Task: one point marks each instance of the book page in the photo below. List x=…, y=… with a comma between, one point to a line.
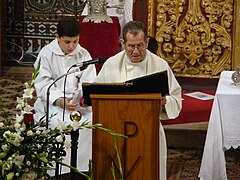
x=200, y=95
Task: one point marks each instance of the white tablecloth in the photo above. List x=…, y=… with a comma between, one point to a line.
x=223, y=129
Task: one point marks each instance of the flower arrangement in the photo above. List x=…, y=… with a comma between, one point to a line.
x=24, y=151
x=28, y=153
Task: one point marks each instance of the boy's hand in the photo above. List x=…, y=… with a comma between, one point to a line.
x=69, y=106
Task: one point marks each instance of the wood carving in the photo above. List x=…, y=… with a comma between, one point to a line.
x=195, y=37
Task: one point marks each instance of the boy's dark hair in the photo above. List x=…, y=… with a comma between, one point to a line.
x=152, y=45
x=134, y=27
x=68, y=27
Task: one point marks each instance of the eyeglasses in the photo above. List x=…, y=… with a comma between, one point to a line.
x=131, y=47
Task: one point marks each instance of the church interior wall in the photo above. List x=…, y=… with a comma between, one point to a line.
x=28, y=25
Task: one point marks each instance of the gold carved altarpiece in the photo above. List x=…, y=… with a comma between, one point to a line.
x=198, y=38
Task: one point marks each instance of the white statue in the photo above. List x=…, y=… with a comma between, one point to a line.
x=117, y=4
x=120, y=8
x=97, y=12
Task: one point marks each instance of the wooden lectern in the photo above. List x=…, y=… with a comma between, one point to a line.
x=136, y=116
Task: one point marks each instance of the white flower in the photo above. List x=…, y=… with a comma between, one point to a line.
x=20, y=103
x=21, y=128
x=67, y=144
x=26, y=84
x=1, y=124
x=19, y=118
x=28, y=163
x=7, y=166
x=29, y=133
x=28, y=109
x=10, y=158
x=18, y=160
x=33, y=81
x=17, y=140
x=6, y=133
x=75, y=125
x=13, y=138
x=46, y=131
x=28, y=93
x=39, y=146
x=62, y=125
x=17, y=125
x=5, y=147
x=29, y=176
x=59, y=138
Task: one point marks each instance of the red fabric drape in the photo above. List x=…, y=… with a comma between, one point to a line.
x=100, y=39
x=193, y=110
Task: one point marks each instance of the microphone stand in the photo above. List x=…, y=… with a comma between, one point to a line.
x=74, y=134
x=48, y=94
x=48, y=91
x=47, y=113
x=64, y=86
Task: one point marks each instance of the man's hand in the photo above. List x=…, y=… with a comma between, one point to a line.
x=164, y=100
x=69, y=106
x=81, y=102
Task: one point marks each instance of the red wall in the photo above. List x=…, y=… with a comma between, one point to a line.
x=140, y=11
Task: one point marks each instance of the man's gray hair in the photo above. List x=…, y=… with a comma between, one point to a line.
x=134, y=27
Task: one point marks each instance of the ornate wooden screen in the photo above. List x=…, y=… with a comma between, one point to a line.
x=31, y=24
x=198, y=38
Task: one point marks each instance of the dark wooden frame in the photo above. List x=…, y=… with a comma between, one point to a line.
x=1, y=36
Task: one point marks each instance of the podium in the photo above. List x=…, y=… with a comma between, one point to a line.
x=136, y=116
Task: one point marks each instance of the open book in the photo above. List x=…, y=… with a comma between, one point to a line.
x=152, y=83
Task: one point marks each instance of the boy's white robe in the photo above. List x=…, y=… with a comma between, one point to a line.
x=55, y=63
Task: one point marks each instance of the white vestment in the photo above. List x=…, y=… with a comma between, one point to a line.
x=119, y=69
x=55, y=63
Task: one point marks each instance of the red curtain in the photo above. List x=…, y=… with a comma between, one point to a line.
x=100, y=39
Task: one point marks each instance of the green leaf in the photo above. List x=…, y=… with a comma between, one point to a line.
x=3, y=168
x=113, y=171
x=2, y=155
x=43, y=158
x=112, y=133
x=118, y=157
x=76, y=170
x=10, y=176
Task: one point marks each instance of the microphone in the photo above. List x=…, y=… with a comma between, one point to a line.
x=84, y=64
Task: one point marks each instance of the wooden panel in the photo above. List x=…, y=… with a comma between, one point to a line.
x=127, y=96
x=1, y=34
x=195, y=41
x=139, y=120
x=236, y=37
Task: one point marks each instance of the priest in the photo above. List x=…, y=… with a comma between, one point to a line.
x=136, y=61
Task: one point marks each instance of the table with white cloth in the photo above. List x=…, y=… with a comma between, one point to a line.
x=223, y=129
